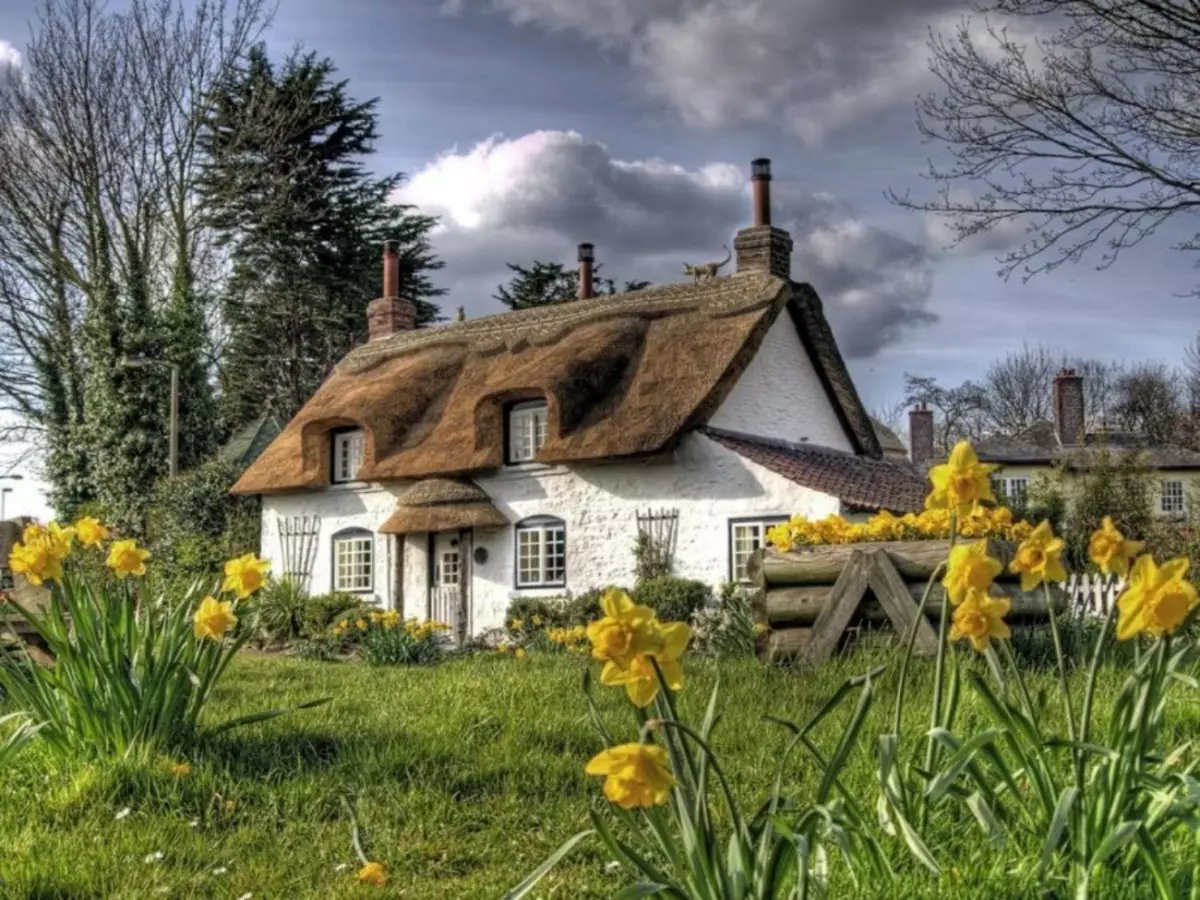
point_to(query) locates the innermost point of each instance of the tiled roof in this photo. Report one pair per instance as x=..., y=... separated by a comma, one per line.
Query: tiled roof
x=860, y=481
x=1039, y=445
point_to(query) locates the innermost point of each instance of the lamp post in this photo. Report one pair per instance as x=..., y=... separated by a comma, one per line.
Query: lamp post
x=4, y=492
x=141, y=362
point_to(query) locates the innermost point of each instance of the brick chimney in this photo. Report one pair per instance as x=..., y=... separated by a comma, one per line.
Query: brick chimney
x=1068, y=407
x=391, y=313
x=763, y=247
x=587, y=286
x=920, y=436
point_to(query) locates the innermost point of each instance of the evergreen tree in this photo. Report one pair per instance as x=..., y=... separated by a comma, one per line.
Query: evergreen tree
x=545, y=284
x=304, y=222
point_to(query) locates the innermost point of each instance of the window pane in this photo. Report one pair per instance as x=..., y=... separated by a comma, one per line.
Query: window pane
x=529, y=556
x=541, y=555
x=352, y=564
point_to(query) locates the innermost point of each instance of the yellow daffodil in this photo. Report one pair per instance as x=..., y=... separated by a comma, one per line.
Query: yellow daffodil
x=1109, y=550
x=636, y=775
x=127, y=558
x=213, y=618
x=90, y=532
x=520, y=653
x=36, y=561
x=1039, y=558
x=373, y=873
x=979, y=619
x=639, y=678
x=970, y=568
x=626, y=630
x=63, y=535
x=1157, y=600
x=245, y=575
x=179, y=770
x=961, y=482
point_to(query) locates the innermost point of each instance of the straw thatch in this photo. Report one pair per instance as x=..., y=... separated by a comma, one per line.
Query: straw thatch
x=442, y=504
x=621, y=376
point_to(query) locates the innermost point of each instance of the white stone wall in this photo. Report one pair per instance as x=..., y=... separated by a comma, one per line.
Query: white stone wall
x=780, y=396
x=707, y=483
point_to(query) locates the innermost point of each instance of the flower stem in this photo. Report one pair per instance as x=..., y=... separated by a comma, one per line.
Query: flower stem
x=939, y=677
x=1076, y=753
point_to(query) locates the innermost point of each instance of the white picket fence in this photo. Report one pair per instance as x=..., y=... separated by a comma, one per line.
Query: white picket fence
x=444, y=606
x=1090, y=594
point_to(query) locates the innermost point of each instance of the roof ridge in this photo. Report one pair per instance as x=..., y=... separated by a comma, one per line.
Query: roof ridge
x=729, y=293
x=780, y=443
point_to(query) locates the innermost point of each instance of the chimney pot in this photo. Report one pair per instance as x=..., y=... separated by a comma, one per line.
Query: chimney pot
x=763, y=247
x=391, y=313
x=587, y=287
x=920, y=436
x=391, y=269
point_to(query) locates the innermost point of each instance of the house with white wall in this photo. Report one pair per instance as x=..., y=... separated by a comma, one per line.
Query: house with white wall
x=443, y=472
x=1068, y=448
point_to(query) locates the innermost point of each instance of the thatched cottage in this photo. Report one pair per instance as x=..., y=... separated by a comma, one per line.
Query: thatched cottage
x=444, y=471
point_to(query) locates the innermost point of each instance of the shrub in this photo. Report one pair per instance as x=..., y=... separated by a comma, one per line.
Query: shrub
x=388, y=640
x=532, y=613
x=583, y=608
x=320, y=647
x=322, y=610
x=673, y=599
x=279, y=616
x=135, y=668
x=729, y=630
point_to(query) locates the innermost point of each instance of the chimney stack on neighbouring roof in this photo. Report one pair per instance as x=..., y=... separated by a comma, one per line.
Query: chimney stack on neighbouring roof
x=391, y=313
x=763, y=247
x=920, y=436
x=587, y=287
x=1068, y=407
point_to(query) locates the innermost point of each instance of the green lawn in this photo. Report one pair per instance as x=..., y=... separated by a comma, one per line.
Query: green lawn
x=467, y=774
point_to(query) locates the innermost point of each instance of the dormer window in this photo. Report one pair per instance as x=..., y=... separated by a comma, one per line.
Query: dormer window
x=347, y=455
x=527, y=424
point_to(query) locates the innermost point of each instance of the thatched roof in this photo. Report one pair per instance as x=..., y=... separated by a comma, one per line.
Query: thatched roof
x=861, y=482
x=622, y=376
x=442, y=504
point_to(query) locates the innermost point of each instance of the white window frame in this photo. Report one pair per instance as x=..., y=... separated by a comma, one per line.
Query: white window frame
x=544, y=534
x=353, y=543
x=758, y=528
x=1009, y=488
x=349, y=448
x=1172, y=499
x=528, y=425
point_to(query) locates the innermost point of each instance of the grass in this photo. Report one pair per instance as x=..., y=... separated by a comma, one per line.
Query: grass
x=467, y=775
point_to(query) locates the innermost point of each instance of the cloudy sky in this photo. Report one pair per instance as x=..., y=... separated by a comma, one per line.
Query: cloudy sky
x=532, y=125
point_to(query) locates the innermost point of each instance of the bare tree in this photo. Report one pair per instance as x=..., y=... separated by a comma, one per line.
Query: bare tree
x=894, y=415
x=1087, y=136
x=1150, y=402
x=1017, y=389
x=959, y=413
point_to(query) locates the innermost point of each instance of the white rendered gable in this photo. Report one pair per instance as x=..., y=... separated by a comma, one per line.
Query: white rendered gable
x=780, y=395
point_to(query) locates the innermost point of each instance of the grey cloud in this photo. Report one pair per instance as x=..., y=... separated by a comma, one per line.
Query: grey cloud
x=810, y=67
x=647, y=218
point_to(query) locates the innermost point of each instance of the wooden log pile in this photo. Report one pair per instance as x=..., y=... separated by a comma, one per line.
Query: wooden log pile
x=808, y=598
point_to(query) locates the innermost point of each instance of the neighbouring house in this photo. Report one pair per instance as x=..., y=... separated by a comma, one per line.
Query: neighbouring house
x=248, y=442
x=443, y=472
x=1068, y=446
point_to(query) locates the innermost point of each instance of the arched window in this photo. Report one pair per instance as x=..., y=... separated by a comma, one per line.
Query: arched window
x=354, y=561
x=541, y=552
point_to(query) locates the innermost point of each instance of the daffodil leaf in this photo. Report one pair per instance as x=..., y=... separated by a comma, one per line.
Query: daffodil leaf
x=1058, y=825
x=269, y=714
x=641, y=889
x=523, y=889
